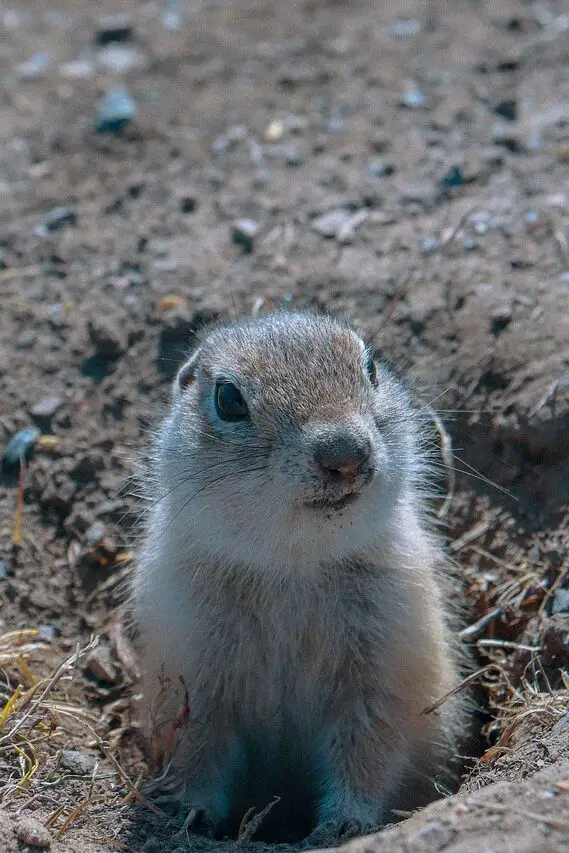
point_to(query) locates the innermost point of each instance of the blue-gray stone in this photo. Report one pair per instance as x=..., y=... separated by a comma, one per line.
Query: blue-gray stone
x=117, y=109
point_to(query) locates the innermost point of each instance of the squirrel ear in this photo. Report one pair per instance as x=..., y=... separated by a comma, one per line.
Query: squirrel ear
x=186, y=374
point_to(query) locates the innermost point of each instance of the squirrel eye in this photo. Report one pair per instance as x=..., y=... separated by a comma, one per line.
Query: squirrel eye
x=371, y=370
x=229, y=402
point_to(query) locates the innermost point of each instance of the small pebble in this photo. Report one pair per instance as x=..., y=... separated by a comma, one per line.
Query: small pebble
x=20, y=446
x=100, y=665
x=479, y=222
x=223, y=144
x=379, y=168
x=404, y=28
x=120, y=58
x=172, y=17
x=112, y=507
x=170, y=302
x=115, y=110
x=4, y=570
x=77, y=762
x=453, y=178
x=507, y=109
x=188, y=202
x=335, y=123
x=107, y=336
x=46, y=408
x=114, y=28
x=56, y=219
x=77, y=69
x=47, y=633
x=505, y=135
x=329, y=224
x=274, y=131
x=95, y=534
x=560, y=601
x=243, y=233
x=429, y=244
x=293, y=156
x=413, y=99
x=33, y=833
x=34, y=66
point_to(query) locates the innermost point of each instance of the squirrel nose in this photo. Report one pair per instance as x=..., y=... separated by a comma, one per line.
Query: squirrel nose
x=342, y=453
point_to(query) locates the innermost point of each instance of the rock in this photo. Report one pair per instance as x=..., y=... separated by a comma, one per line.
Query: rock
x=379, y=168
x=453, y=178
x=46, y=408
x=500, y=319
x=224, y=143
x=507, y=109
x=114, y=28
x=243, y=233
x=57, y=218
x=120, y=58
x=95, y=534
x=187, y=200
x=335, y=122
x=77, y=762
x=4, y=570
x=100, y=665
x=413, y=99
x=114, y=509
x=26, y=340
x=33, y=833
x=34, y=66
x=404, y=28
x=115, y=111
x=172, y=17
x=560, y=601
x=429, y=244
x=331, y=223
x=77, y=69
x=108, y=339
x=172, y=302
x=507, y=137
x=292, y=155
x=274, y=131
x=419, y=195
x=47, y=633
x=20, y=446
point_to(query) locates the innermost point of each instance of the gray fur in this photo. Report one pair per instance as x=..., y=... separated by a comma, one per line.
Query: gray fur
x=308, y=635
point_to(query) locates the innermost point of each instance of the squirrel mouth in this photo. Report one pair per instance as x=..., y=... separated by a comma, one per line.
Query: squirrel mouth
x=350, y=492
x=333, y=503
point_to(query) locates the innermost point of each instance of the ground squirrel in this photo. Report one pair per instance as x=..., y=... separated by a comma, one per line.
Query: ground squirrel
x=290, y=618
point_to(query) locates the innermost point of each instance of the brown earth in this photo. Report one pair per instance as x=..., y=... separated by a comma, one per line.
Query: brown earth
x=439, y=134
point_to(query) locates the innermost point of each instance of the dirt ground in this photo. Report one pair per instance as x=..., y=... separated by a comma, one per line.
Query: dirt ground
x=404, y=164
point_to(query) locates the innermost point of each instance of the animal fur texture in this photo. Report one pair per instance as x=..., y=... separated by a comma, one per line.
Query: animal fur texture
x=292, y=627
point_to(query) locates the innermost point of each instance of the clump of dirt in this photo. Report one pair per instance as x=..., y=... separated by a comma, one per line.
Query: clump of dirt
x=402, y=164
